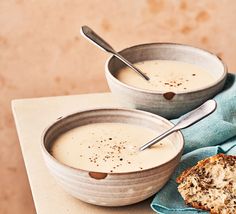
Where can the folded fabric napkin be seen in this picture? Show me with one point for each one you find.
(214, 134)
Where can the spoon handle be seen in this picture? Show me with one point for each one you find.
(192, 117)
(157, 139)
(101, 43)
(197, 114)
(131, 66)
(96, 39)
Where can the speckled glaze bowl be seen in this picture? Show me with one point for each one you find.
(111, 189)
(167, 104)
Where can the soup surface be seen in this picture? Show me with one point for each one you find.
(167, 76)
(110, 147)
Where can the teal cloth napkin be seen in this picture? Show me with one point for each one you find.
(212, 135)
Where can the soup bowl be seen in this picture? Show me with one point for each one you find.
(168, 104)
(106, 188)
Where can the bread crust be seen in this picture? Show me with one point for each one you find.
(188, 172)
(201, 163)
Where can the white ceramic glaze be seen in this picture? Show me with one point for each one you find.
(111, 189)
(167, 104)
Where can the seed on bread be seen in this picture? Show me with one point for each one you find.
(210, 184)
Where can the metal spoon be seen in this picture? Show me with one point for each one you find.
(192, 117)
(101, 43)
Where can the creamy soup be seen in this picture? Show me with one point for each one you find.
(166, 75)
(110, 147)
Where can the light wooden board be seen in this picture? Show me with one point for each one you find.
(32, 116)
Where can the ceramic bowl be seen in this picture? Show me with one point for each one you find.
(111, 189)
(167, 104)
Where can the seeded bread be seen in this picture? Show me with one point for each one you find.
(210, 184)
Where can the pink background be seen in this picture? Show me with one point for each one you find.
(43, 54)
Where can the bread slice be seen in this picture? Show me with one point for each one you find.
(210, 184)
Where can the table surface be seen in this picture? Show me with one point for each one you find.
(32, 116)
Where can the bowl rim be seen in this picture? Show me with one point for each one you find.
(146, 91)
(151, 115)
